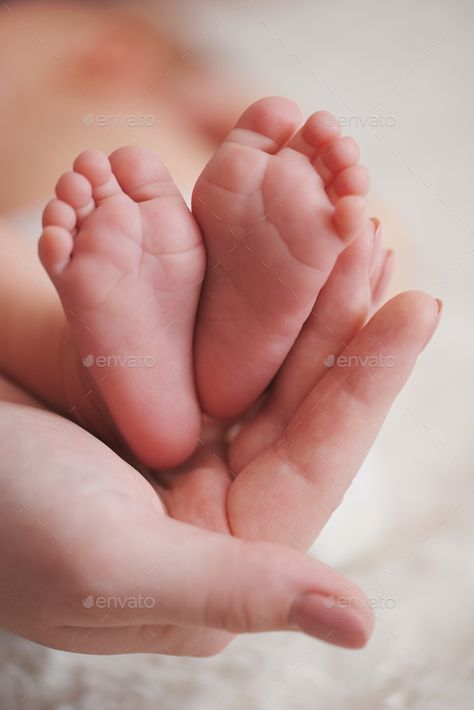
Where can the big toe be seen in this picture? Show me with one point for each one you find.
(141, 174)
(267, 124)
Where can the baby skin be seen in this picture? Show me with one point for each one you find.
(272, 211)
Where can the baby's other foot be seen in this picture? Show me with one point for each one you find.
(276, 207)
(127, 260)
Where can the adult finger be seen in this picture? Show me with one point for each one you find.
(340, 311)
(381, 275)
(291, 489)
(196, 578)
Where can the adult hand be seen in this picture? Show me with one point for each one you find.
(95, 561)
(91, 561)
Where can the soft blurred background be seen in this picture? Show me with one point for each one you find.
(173, 76)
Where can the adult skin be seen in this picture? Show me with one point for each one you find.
(95, 557)
(79, 525)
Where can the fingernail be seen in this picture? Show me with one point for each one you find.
(377, 225)
(332, 619)
(439, 304)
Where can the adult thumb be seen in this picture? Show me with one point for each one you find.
(213, 580)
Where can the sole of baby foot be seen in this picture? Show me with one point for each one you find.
(127, 260)
(276, 206)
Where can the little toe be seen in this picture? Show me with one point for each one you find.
(141, 174)
(351, 181)
(350, 217)
(96, 168)
(60, 214)
(267, 124)
(319, 130)
(54, 249)
(76, 191)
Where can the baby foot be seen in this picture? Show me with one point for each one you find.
(276, 208)
(127, 260)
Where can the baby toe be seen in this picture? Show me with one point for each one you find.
(350, 217)
(320, 129)
(54, 248)
(76, 191)
(267, 125)
(60, 214)
(141, 174)
(354, 180)
(96, 168)
(341, 154)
